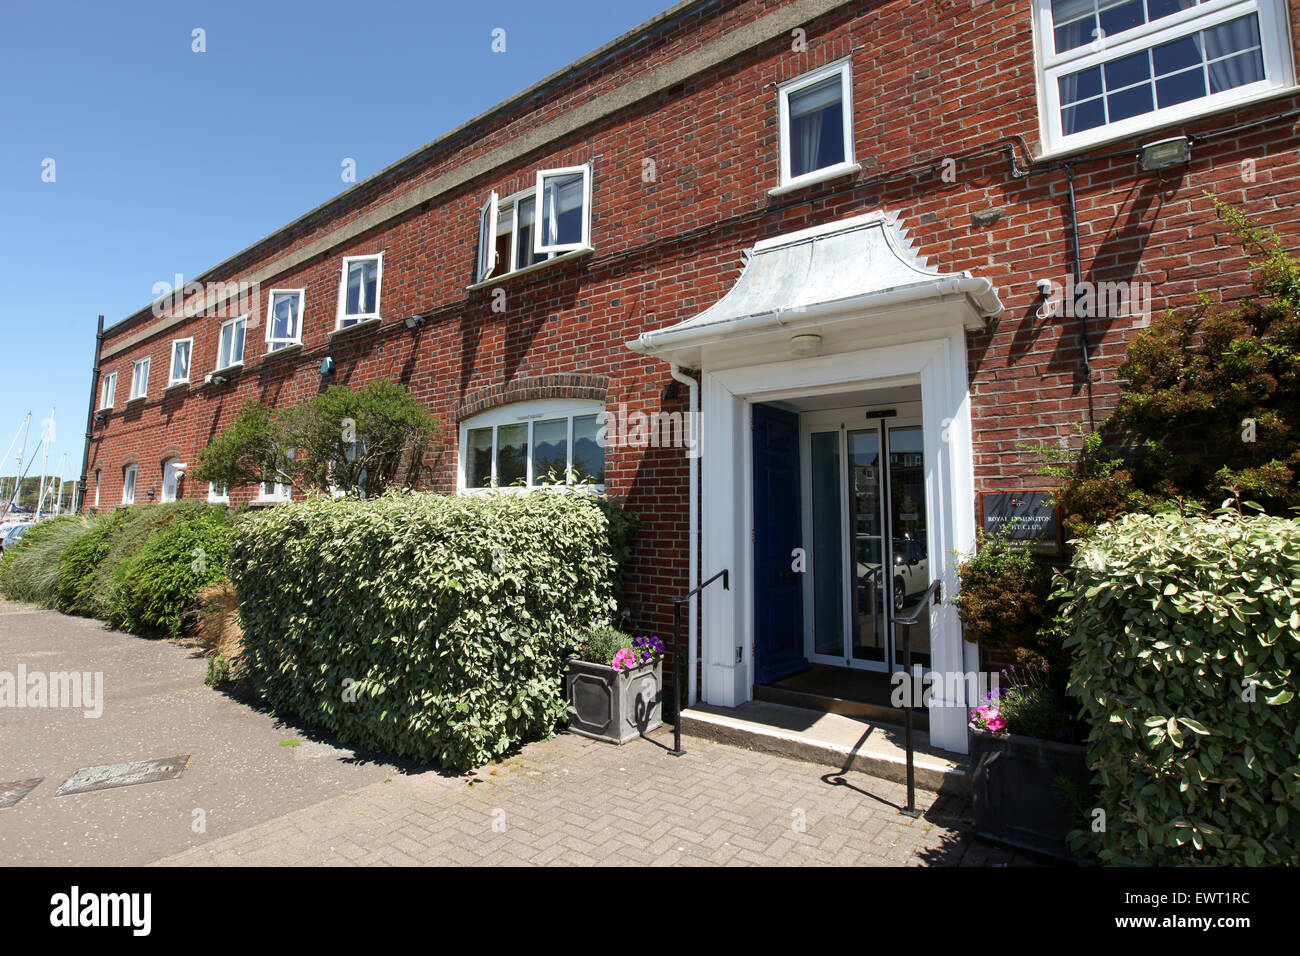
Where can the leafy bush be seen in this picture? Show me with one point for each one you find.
(1185, 636)
(30, 570)
(1208, 407)
(155, 587)
(76, 592)
(358, 440)
(1003, 597)
(430, 627)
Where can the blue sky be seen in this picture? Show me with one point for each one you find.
(168, 161)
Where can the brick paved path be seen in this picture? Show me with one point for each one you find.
(573, 801)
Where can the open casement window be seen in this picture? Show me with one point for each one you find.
(816, 120)
(171, 479)
(1110, 68)
(359, 289)
(488, 255)
(106, 390)
(230, 348)
(284, 318)
(564, 210)
(140, 378)
(534, 445)
(128, 485)
(180, 370)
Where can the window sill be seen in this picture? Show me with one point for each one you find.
(228, 371)
(180, 384)
(1147, 131)
(363, 324)
(137, 398)
(276, 353)
(268, 502)
(535, 267)
(821, 176)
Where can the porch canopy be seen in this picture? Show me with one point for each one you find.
(856, 270)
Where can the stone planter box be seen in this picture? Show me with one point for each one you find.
(611, 705)
(1013, 793)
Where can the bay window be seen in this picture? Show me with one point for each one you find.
(531, 445)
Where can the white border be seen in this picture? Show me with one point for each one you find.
(276, 345)
(539, 210)
(359, 318)
(849, 164)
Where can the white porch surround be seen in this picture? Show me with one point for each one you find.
(884, 320)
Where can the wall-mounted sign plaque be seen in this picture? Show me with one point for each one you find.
(1028, 518)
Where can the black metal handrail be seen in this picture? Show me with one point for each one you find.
(677, 750)
(906, 621)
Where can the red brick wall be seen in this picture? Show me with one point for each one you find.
(932, 79)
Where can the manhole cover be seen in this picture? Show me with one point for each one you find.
(11, 793)
(123, 775)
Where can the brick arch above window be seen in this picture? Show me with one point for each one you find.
(531, 388)
(171, 451)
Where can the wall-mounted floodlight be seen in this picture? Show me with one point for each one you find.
(414, 320)
(215, 379)
(327, 365)
(1166, 153)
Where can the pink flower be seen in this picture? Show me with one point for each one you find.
(996, 723)
(623, 659)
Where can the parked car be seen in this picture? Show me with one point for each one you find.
(11, 534)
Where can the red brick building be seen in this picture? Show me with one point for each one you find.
(825, 225)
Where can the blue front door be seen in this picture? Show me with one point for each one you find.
(778, 590)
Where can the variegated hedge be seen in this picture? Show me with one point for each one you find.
(429, 627)
(1185, 636)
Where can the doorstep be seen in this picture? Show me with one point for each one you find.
(837, 740)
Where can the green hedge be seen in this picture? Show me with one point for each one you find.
(447, 621)
(136, 568)
(1185, 636)
(156, 586)
(30, 569)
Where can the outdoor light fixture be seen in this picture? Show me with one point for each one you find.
(1166, 153)
(802, 346)
(215, 379)
(414, 320)
(327, 365)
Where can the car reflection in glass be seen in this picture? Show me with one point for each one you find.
(911, 571)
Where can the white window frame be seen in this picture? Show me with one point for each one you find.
(279, 490)
(223, 362)
(140, 380)
(540, 247)
(128, 487)
(176, 487)
(844, 69)
(343, 319)
(520, 413)
(216, 497)
(1275, 38)
(107, 391)
(274, 344)
(189, 362)
(487, 237)
(98, 480)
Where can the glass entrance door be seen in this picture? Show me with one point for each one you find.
(870, 540)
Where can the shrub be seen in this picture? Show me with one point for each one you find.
(1185, 637)
(217, 628)
(76, 592)
(429, 627)
(1208, 404)
(1003, 598)
(155, 587)
(30, 570)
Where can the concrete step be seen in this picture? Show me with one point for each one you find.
(833, 740)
